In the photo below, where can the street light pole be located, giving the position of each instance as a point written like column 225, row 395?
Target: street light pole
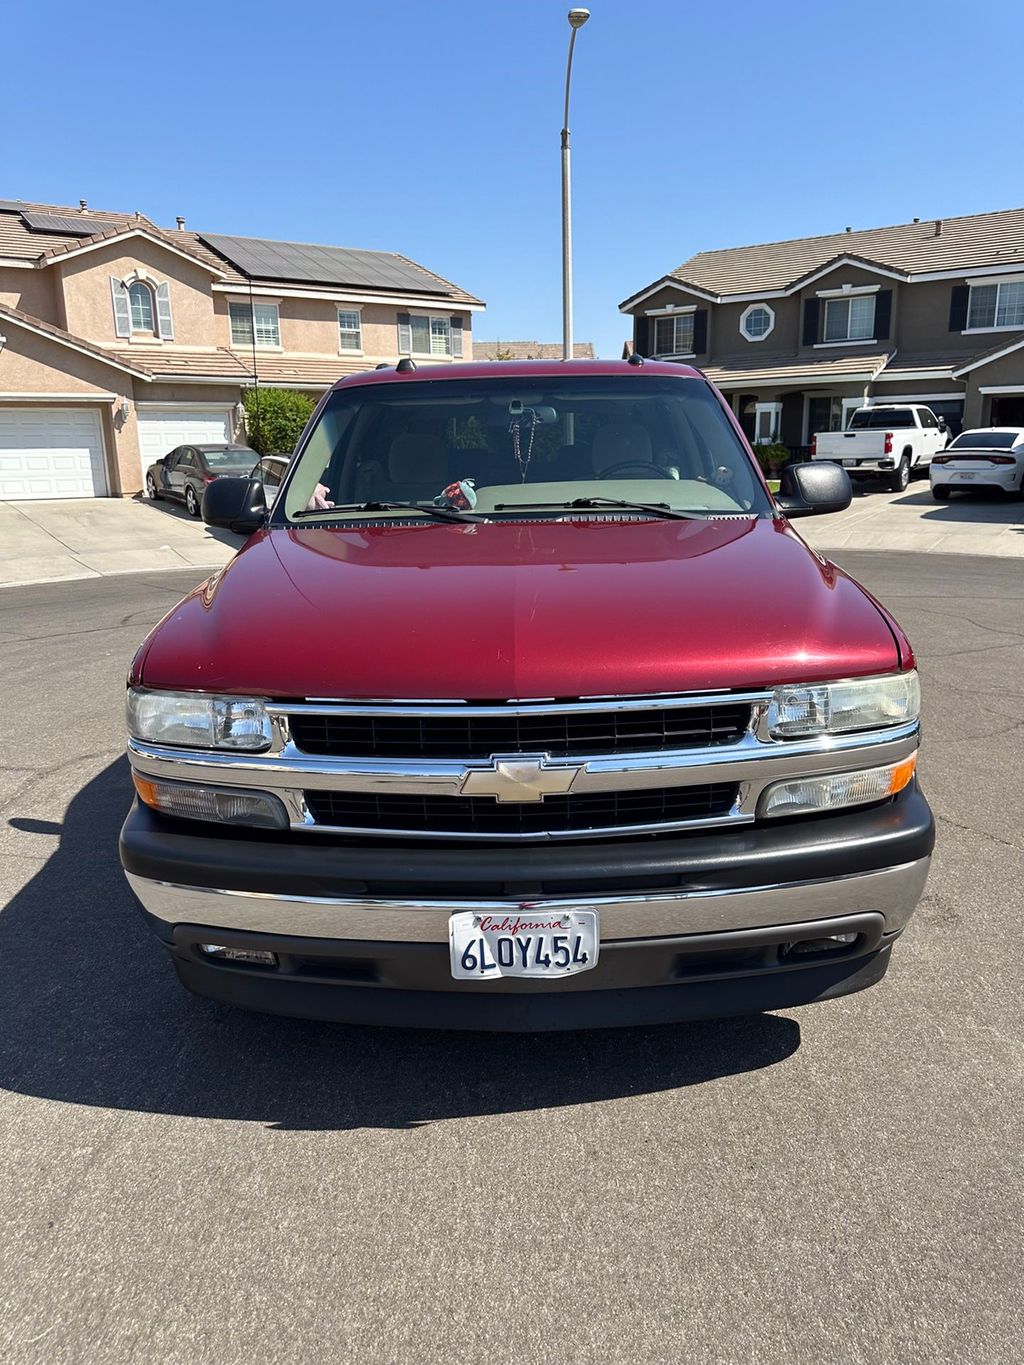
column 577, row 18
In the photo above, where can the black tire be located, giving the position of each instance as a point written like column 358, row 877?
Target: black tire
column 940, row 492
column 151, row 489
column 900, row 481
column 191, row 501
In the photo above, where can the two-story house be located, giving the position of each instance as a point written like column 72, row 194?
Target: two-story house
column 120, row 339
column 798, row 334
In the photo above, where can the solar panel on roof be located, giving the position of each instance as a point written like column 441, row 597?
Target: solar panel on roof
column 84, row 226
column 11, row 206
column 307, row 262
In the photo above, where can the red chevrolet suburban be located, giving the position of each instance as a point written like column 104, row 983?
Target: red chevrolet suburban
column 524, row 707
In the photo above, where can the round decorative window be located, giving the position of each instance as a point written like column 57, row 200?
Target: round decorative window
column 757, row 321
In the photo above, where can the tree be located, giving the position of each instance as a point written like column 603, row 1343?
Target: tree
column 274, row 419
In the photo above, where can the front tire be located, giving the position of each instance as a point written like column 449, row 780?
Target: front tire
column 900, row 481
column 151, row 489
column 940, row 493
column 191, row 501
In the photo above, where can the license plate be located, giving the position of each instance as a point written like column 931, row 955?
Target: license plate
column 540, row 946
column 849, row 464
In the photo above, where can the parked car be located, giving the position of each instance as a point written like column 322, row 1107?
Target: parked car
column 497, row 731
column 895, row 440
column 188, row 470
column 979, row 461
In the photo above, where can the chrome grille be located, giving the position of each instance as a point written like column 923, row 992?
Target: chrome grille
column 560, row 734
column 481, row 815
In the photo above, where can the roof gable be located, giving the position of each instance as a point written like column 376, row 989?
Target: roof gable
column 79, row 246
column 907, row 250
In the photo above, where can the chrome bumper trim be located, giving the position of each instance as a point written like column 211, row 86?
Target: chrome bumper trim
column 892, row 892
column 752, row 764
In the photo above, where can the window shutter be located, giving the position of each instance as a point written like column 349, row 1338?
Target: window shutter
column 958, row 301
column 122, row 313
column 700, row 331
column 642, row 336
column 811, row 310
column 883, row 314
column 456, row 326
column 164, row 325
column 404, row 334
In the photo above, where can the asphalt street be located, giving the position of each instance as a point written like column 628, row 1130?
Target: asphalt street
column 184, row 1183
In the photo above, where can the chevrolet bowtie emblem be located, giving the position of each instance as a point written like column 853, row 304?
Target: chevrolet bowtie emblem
column 520, row 777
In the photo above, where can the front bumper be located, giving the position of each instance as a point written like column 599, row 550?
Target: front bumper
column 691, row 926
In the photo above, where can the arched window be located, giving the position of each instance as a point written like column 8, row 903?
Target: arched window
column 140, row 300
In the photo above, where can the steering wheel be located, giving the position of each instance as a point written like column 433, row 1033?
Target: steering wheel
column 646, row 465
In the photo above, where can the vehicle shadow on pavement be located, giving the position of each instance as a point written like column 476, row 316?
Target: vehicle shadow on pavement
column 91, row 1013
column 165, row 507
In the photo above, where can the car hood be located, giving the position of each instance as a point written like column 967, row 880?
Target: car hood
column 527, row 610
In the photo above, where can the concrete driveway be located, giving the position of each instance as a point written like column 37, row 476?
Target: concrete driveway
column 46, row 542
column 969, row 524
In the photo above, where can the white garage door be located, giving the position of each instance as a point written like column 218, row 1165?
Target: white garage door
column 50, row 453
column 161, row 429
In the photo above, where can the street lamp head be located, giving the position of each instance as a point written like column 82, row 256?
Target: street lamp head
column 578, row 17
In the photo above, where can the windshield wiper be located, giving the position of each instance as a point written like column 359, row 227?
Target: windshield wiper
column 653, row 509
column 441, row 513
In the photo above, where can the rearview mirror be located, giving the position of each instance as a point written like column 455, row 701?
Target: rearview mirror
column 812, row 489
column 238, row 504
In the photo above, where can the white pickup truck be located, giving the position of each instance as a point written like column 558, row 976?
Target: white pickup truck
column 888, row 439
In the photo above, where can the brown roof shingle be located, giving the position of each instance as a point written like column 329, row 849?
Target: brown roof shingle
column 908, row 248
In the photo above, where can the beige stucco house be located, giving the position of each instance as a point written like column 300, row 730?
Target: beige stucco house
column 797, row 334
column 120, row 340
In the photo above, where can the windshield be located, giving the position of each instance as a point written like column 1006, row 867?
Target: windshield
column 882, row 417
column 223, row 460
column 987, row 440
column 492, row 446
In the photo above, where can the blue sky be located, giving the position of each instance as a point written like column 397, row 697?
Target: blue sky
column 433, row 128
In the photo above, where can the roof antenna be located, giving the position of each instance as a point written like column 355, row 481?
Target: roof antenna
column 405, row 365
column 635, row 359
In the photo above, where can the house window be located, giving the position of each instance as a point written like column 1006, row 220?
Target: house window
column 850, row 319
column 431, row 336
column 757, row 321
column 674, row 336
column 140, row 301
column 268, row 325
column 996, row 305
column 350, row 336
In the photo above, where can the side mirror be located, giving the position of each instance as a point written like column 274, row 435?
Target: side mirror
column 236, row 503
column 808, row 490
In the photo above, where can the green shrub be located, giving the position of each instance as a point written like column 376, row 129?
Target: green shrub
column 771, row 457
column 274, row 419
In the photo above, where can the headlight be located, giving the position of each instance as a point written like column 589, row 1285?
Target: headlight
column 808, row 709
column 833, row 791
column 196, row 720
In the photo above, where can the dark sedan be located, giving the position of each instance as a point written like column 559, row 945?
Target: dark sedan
column 186, row 471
